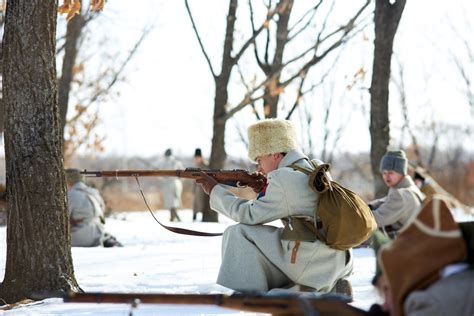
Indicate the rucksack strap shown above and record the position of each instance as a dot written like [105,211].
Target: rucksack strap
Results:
[319,180]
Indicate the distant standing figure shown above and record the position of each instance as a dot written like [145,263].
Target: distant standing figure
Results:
[86,213]
[172,188]
[201,199]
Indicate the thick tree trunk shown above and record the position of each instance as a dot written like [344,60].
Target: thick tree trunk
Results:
[387,18]
[2,107]
[271,98]
[73,33]
[218,153]
[38,241]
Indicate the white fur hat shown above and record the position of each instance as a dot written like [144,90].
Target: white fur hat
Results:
[271,136]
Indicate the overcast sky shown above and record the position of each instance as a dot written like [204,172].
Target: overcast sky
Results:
[168,98]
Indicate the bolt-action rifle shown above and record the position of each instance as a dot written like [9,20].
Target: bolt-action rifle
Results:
[235,177]
[280,305]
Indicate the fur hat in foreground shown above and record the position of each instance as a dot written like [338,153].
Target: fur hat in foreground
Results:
[271,136]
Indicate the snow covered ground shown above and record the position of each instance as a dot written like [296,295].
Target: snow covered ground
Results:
[154,260]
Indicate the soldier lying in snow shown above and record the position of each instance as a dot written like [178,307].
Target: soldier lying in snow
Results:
[86,214]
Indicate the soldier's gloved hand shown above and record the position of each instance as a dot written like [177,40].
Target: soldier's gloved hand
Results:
[206,182]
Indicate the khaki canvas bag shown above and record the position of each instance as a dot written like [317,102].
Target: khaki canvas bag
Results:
[347,220]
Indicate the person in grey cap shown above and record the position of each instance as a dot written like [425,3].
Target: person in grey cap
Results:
[404,197]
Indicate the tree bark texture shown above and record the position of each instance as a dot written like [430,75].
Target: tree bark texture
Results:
[38,239]
[387,17]
[2,107]
[73,33]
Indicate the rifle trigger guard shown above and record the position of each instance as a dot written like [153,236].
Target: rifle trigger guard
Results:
[240,185]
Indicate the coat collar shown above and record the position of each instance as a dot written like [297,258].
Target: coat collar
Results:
[291,157]
[406,182]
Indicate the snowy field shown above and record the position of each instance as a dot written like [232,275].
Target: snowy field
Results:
[154,260]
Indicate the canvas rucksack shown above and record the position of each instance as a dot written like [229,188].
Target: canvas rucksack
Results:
[347,220]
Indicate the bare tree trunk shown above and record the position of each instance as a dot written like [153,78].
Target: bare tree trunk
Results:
[73,33]
[387,18]
[272,89]
[218,154]
[221,99]
[2,106]
[38,241]
[2,114]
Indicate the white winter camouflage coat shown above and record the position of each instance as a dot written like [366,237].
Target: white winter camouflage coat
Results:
[171,187]
[86,208]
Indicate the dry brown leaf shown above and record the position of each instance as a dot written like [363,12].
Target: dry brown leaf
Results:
[13,305]
[71,8]
[97,5]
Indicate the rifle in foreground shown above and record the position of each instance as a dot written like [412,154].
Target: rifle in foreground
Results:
[235,177]
[280,305]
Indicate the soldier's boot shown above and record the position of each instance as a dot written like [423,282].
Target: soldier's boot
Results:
[343,286]
[111,241]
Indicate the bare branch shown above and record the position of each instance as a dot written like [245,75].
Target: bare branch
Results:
[299,95]
[311,11]
[199,39]
[404,104]
[270,14]
[249,90]
[252,22]
[243,103]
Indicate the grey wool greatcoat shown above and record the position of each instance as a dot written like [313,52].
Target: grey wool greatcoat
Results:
[401,202]
[86,209]
[453,295]
[253,255]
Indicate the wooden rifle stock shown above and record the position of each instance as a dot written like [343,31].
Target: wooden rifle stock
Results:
[234,177]
[285,304]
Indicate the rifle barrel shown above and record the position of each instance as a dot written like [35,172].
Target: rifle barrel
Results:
[285,304]
[133,173]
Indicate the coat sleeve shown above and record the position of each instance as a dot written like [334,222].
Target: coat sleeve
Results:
[268,208]
[391,210]
[376,203]
[421,303]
